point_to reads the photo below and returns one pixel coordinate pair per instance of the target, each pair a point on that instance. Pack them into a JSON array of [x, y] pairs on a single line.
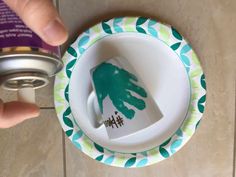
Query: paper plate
[[167, 65]]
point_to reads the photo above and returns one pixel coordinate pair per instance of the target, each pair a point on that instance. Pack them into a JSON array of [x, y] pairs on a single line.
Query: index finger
[[12, 113]]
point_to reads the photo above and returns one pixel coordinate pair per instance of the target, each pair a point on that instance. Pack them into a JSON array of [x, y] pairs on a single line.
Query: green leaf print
[[175, 46], [117, 83], [99, 148], [66, 93], [106, 28], [99, 158], [201, 102], [72, 52], [140, 29], [130, 162], [69, 132], [164, 152], [69, 67], [176, 34], [203, 81], [141, 20], [165, 143]]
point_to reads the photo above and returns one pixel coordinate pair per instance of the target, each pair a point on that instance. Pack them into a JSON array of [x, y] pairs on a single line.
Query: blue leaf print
[[144, 153], [77, 145], [118, 20], [77, 135], [187, 68], [185, 60], [151, 23], [185, 49], [175, 145], [118, 29], [81, 50], [179, 132], [152, 31], [109, 160], [84, 40], [142, 163]]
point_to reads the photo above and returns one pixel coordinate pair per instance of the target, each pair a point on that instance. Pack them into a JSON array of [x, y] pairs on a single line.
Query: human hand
[[42, 17], [12, 113], [110, 80]]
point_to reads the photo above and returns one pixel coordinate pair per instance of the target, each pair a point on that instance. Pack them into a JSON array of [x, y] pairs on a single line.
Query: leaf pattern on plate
[[99, 158], [166, 142], [109, 160], [151, 29], [203, 81], [116, 24], [106, 28], [174, 145], [130, 162], [201, 104], [176, 34], [141, 21], [66, 93], [175, 46], [142, 162], [164, 152], [77, 135], [69, 67], [99, 148], [72, 52], [69, 132]]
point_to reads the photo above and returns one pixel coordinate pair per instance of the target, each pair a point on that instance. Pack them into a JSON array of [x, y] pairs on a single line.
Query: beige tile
[[210, 27], [33, 148]]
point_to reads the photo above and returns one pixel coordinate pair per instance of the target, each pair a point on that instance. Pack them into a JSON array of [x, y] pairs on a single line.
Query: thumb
[[42, 17], [12, 113]]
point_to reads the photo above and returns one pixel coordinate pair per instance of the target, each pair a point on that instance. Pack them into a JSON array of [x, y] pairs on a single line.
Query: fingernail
[[55, 33]]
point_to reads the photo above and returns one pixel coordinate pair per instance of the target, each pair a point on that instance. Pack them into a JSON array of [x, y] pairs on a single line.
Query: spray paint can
[[25, 60]]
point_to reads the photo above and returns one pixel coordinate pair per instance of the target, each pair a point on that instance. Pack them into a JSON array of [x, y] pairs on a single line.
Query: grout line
[[57, 5], [64, 153], [63, 133], [234, 152], [47, 108]]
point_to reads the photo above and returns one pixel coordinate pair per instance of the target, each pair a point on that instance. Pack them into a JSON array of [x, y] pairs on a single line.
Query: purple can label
[[14, 33]]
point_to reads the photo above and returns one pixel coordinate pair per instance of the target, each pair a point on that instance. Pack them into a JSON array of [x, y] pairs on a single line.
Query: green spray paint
[[117, 83]]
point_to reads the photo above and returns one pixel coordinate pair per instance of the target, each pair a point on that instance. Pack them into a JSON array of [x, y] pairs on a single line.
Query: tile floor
[[38, 148]]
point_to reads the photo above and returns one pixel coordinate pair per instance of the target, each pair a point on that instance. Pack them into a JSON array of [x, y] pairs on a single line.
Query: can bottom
[[22, 80]]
